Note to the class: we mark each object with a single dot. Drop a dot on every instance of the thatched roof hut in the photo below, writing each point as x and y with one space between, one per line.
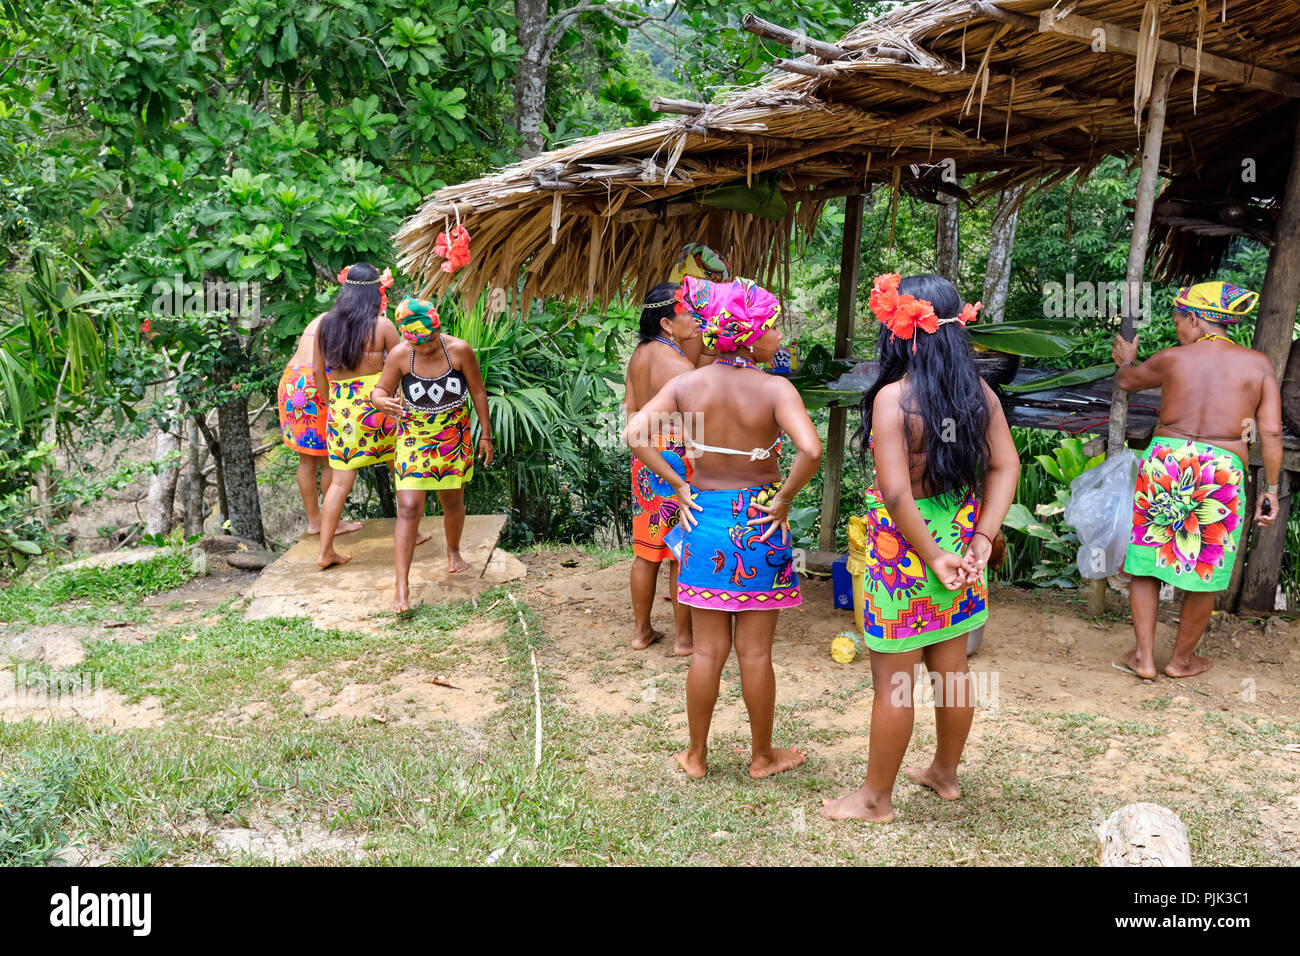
1017 91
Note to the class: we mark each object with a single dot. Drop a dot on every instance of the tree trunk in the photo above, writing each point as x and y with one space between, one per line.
1274 330
161 496
238 468
946 238
530 74
1002 236
194 484
1275 324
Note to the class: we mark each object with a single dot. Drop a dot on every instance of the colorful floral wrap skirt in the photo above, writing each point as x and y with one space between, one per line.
301 424
1187 517
654 506
906 606
434 452
358 434
721 563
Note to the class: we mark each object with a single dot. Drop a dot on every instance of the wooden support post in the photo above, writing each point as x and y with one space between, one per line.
1137 254
850 267
1263 559
1274 329
717 223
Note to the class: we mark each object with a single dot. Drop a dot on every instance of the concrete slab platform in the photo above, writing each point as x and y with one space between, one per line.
347 595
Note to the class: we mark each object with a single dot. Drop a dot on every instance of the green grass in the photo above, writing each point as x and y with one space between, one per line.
607 790
82 596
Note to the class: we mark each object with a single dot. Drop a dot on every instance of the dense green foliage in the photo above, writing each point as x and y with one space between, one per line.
152 152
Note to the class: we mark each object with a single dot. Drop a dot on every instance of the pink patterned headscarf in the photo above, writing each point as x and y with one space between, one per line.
731 314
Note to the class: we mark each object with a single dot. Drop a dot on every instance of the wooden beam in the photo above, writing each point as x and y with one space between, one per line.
1137 250
806 69
1137 254
739 136
795 41
850 267
683 107
1120 39
644 214
816 148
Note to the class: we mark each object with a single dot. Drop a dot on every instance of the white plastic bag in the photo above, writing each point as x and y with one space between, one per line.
1101 511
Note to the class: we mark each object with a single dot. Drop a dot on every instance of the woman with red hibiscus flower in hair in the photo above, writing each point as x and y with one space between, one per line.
352 341
946 471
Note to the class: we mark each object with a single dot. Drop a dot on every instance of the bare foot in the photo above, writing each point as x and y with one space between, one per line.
313 529
1144 669
347 527
695 766
776 760
331 557
945 787
421 537
1188 668
684 646
858 806
455 563
401 602
640 643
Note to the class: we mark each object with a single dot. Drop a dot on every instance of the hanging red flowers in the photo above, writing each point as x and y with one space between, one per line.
453 245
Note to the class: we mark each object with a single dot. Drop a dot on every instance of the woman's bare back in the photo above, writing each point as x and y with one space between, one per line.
1211 392
382 341
735 408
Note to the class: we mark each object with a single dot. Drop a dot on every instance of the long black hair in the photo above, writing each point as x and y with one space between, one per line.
651 318
943 392
349 327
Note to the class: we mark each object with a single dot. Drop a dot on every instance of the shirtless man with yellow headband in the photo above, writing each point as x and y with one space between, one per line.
1215 398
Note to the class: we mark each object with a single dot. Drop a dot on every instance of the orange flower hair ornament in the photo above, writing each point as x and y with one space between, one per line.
904 314
384 281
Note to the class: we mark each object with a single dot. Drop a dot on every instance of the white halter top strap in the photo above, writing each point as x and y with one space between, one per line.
754 454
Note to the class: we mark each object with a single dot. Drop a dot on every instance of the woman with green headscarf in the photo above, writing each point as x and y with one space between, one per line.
428 381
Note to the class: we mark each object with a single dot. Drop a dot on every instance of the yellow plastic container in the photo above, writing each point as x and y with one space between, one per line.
857 568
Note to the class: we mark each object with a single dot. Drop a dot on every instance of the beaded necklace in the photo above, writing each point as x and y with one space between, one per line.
1211 336
672 345
737 362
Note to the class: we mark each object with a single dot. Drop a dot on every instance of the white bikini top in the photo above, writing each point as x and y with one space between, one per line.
755 454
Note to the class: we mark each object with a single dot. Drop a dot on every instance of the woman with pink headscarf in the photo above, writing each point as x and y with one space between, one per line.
733 542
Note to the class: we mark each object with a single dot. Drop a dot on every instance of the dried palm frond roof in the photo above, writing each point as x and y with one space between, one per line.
1013 91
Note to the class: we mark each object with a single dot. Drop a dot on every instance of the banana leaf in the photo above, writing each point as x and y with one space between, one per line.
1077 376
1058 326
817 368
1029 343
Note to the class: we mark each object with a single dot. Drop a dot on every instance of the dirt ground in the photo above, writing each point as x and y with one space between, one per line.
1053 709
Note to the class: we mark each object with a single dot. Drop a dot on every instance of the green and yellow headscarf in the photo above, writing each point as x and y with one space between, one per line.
700 261
1219 302
417 319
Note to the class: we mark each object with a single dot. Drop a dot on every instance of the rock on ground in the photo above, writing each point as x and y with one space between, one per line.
1143 834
